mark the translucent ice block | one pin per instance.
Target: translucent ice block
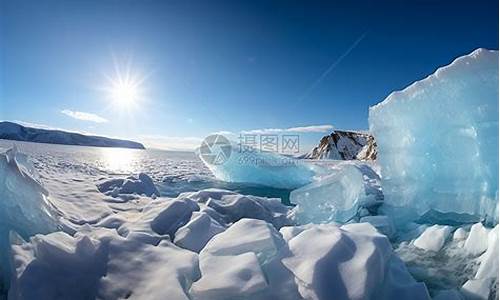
(438, 143)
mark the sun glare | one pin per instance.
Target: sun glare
(124, 93)
(118, 160)
(124, 87)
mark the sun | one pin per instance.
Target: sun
(124, 92)
(125, 87)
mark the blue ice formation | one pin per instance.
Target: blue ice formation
(262, 168)
(438, 143)
(24, 204)
(336, 197)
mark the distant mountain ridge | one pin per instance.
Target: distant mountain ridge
(17, 132)
(345, 145)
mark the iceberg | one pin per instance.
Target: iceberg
(259, 167)
(438, 144)
(24, 207)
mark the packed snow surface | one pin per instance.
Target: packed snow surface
(438, 143)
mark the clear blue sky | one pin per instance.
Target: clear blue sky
(224, 65)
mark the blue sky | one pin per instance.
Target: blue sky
(208, 66)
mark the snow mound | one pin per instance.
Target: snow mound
(229, 207)
(438, 143)
(197, 232)
(160, 217)
(102, 266)
(229, 277)
(246, 235)
(194, 218)
(55, 265)
(24, 206)
(349, 262)
(123, 187)
(334, 198)
(262, 168)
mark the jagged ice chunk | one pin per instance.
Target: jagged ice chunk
(333, 198)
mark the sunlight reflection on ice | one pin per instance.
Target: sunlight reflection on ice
(118, 160)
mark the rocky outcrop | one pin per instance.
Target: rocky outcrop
(345, 145)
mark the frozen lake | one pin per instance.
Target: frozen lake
(71, 173)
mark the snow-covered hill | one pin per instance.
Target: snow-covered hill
(345, 145)
(13, 131)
